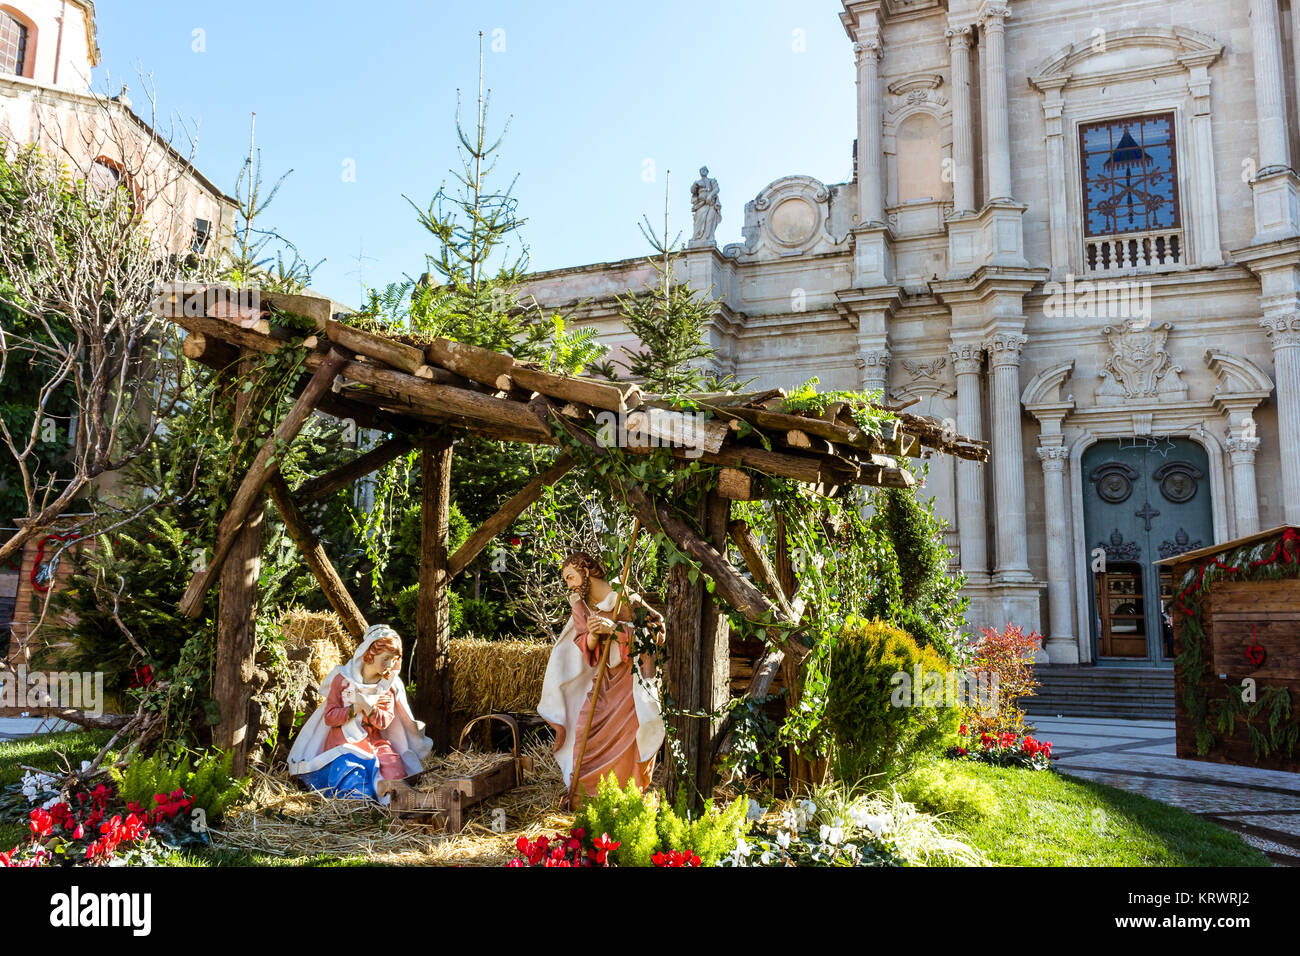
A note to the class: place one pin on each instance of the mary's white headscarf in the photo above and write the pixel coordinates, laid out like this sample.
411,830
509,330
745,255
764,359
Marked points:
405,733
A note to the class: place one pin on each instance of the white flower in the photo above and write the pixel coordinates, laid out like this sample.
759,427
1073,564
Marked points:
877,824
85,765
755,812
783,839
808,807
790,820
833,835
766,858
738,856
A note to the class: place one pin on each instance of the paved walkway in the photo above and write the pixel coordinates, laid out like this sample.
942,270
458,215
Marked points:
1138,756
11,728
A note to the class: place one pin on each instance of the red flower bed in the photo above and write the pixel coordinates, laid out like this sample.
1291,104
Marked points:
89,829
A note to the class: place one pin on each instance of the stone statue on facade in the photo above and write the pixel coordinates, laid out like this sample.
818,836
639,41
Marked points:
706,206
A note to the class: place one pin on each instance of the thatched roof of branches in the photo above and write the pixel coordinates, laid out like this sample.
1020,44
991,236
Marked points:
396,384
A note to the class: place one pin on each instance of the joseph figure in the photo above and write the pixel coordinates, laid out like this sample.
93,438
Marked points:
627,727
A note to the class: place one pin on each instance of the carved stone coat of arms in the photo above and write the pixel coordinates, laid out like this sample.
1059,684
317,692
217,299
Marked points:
1138,366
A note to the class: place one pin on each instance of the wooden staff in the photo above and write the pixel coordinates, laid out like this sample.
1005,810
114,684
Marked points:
600,667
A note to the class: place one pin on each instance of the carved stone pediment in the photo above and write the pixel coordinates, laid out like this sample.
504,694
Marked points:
790,217
1139,368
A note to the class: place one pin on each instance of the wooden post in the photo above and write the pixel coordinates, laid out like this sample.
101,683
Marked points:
803,772
322,568
237,615
715,647
433,625
684,627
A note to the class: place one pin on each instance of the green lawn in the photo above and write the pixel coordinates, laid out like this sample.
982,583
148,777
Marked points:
1049,819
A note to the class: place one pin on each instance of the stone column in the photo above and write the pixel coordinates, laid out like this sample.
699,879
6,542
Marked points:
1057,207
871,200
963,140
1061,645
994,99
1284,333
1008,455
1206,207
1242,450
1270,99
873,363
967,363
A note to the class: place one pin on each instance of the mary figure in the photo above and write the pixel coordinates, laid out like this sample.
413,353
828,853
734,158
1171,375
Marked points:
363,740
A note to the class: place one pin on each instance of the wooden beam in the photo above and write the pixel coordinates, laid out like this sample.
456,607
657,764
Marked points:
507,514
751,550
224,331
250,489
446,399
678,429
407,358
433,624
318,561
800,468
330,482
609,396
477,364
313,307
736,485
209,351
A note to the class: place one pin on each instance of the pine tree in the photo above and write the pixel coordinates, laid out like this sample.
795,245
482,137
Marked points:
669,319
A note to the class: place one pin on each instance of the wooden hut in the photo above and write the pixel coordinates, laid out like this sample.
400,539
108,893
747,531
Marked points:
1236,611
424,395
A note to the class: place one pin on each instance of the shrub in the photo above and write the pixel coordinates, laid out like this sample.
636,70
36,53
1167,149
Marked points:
942,788
407,602
915,590
209,783
480,619
871,733
644,826
1006,660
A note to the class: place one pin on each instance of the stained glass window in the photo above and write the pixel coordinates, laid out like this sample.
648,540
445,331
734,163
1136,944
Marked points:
1130,175
13,45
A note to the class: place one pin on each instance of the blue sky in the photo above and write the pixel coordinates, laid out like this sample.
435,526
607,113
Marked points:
593,89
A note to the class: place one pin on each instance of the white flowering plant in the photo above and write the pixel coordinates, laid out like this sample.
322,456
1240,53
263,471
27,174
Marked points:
835,825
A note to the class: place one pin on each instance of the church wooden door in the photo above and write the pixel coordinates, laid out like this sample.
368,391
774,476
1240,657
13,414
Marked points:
1144,499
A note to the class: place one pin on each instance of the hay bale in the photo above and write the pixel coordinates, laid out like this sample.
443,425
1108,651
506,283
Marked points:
316,637
497,676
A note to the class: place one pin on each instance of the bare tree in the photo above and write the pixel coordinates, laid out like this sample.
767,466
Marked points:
95,220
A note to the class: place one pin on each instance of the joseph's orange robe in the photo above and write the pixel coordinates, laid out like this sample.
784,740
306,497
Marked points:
612,746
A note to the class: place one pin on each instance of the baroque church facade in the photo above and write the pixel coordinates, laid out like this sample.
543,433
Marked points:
1073,231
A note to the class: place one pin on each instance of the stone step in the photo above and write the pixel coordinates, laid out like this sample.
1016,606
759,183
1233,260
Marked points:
1102,692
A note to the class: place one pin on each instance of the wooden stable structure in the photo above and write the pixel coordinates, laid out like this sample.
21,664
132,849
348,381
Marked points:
425,395
1251,632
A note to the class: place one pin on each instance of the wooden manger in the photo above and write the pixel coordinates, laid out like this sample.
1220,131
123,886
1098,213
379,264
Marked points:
424,396
434,798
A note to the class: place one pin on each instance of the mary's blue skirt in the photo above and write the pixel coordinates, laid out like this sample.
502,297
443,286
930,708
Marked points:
348,776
